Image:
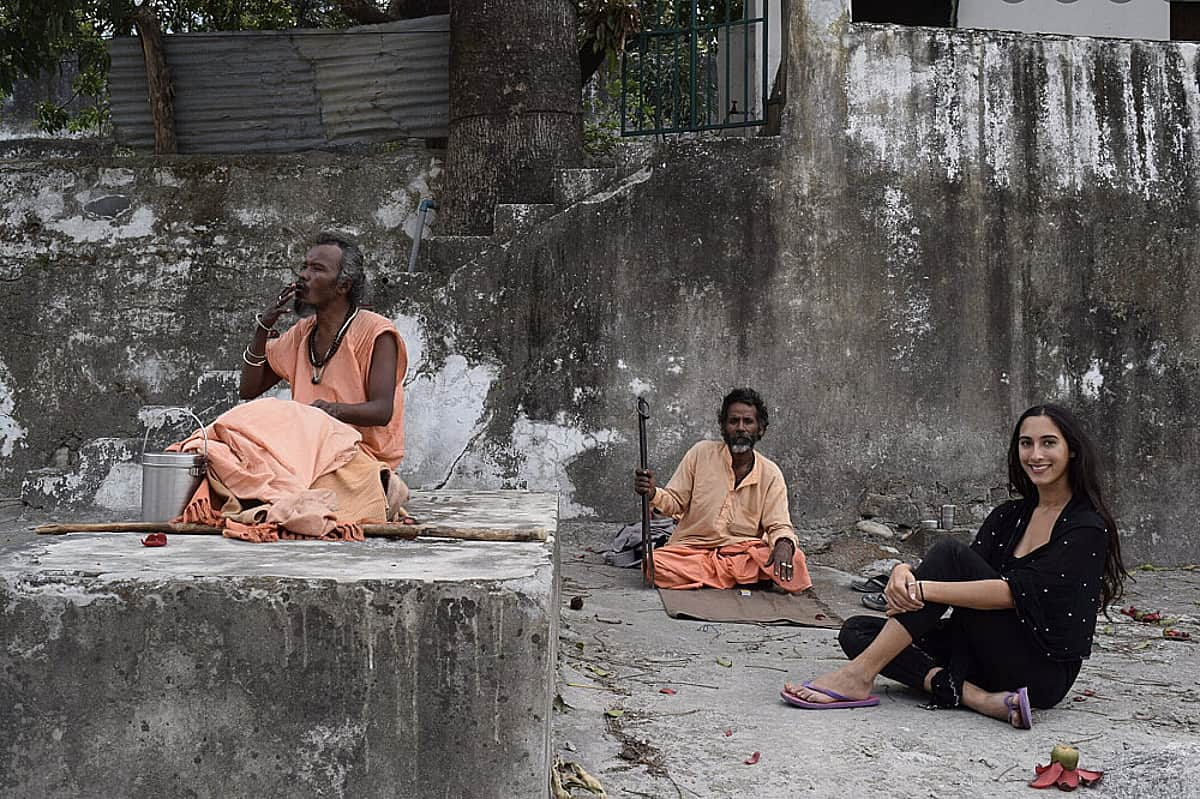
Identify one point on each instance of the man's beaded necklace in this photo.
(318, 364)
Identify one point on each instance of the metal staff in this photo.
(643, 412)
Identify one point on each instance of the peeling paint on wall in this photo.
(540, 452)
(1092, 381)
(443, 417)
(11, 431)
(121, 488)
(83, 230)
(907, 294)
(1072, 110)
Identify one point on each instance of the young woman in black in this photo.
(1025, 594)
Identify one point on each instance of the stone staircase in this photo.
(443, 254)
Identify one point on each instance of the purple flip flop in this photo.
(839, 701)
(1018, 702)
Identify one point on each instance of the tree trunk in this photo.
(158, 79)
(515, 112)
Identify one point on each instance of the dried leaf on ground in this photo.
(568, 774)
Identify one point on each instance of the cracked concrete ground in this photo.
(1141, 726)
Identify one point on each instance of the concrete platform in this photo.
(216, 668)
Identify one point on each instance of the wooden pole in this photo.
(158, 80)
(402, 531)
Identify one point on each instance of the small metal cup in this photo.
(947, 519)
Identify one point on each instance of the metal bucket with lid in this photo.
(169, 479)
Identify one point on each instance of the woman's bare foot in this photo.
(1003, 705)
(848, 681)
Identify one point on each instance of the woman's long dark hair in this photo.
(1084, 473)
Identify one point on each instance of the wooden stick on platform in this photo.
(402, 531)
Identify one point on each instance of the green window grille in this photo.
(696, 65)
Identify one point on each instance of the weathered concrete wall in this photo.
(301, 669)
(127, 284)
(954, 225)
(1022, 210)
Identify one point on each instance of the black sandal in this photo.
(875, 602)
(871, 585)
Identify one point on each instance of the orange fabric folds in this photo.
(269, 448)
(744, 563)
(280, 469)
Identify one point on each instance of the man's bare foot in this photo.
(848, 681)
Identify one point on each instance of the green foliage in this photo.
(600, 136)
(38, 36)
(607, 24)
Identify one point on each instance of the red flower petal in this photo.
(667, 691)
(1089, 777)
(155, 540)
(1088, 692)
(1069, 780)
(728, 733)
(750, 761)
(1047, 775)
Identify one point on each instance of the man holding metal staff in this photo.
(734, 526)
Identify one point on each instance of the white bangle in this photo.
(253, 359)
(258, 320)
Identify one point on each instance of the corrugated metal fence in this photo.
(281, 91)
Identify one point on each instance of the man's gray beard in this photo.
(302, 308)
(740, 447)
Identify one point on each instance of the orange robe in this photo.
(347, 376)
(304, 466)
(726, 532)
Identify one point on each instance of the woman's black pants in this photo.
(988, 648)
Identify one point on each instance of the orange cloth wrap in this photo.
(679, 566)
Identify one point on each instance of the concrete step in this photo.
(572, 185)
(513, 218)
(105, 466)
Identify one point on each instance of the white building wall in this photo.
(1124, 19)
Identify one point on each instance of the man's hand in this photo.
(331, 408)
(781, 555)
(901, 591)
(270, 315)
(643, 483)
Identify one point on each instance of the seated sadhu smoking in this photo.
(342, 431)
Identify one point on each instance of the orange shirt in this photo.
(715, 513)
(346, 377)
